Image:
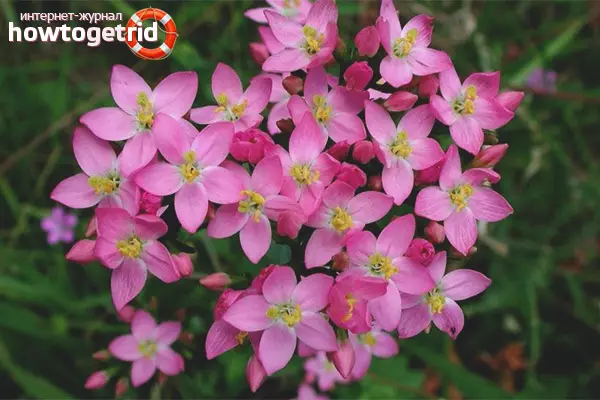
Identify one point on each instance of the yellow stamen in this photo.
(471, 92)
(435, 301)
(341, 220)
(221, 102)
(238, 109)
(145, 115)
(189, 171)
(400, 146)
(382, 266)
(460, 196)
(241, 337)
(321, 110)
(403, 46)
(313, 41)
(288, 313)
(147, 348)
(351, 300)
(466, 106)
(369, 339)
(131, 247)
(104, 185)
(303, 175)
(252, 204)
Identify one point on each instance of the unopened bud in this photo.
(217, 281)
(101, 355)
(96, 380)
(343, 358)
(211, 212)
(259, 52)
(82, 252)
(286, 125)
(186, 338)
(126, 314)
(367, 41)
(358, 76)
(183, 263)
(428, 85)
(341, 261)
(400, 101)
(352, 175)
(255, 373)
(293, 84)
(340, 150)
(489, 156)
(121, 386)
(435, 233)
(363, 151)
(375, 183)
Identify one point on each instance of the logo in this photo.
(135, 25)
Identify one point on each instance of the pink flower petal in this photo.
(451, 320)
(257, 94)
(461, 230)
(255, 238)
(286, 60)
(476, 176)
(106, 252)
(425, 61)
(113, 224)
(442, 110)
(386, 310)
(175, 94)
(395, 238)
(380, 124)
(312, 292)
(279, 285)
(433, 203)
(385, 346)
(273, 45)
(360, 247)
(141, 371)
(451, 172)
(222, 186)
(276, 347)
(248, 314)
(125, 85)
(137, 153)
(284, 29)
(169, 362)
(362, 361)
(413, 321)
(142, 325)
(315, 84)
(338, 194)
(424, 26)
(75, 192)
(449, 84)
(437, 268)
(160, 179)
(220, 338)
(510, 100)
(226, 81)
(384, 29)
(94, 156)
(316, 332)
(126, 282)
(110, 123)
(167, 333)
(212, 143)
(306, 141)
(268, 176)
(149, 227)
(321, 247)
(227, 222)
(395, 71)
(159, 262)
(321, 14)
(412, 277)
(310, 197)
(486, 83)
(348, 127)
(417, 123)
(327, 166)
(205, 115)
(347, 101)
(398, 181)
(298, 108)
(490, 114)
(125, 348)
(278, 112)
(170, 139)
(467, 134)
(257, 14)
(425, 153)
(462, 284)
(489, 206)
(370, 206)
(191, 205)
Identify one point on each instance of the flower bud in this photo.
(251, 145)
(375, 183)
(489, 156)
(217, 281)
(121, 387)
(429, 175)
(421, 251)
(340, 150)
(259, 52)
(428, 85)
(352, 175)
(101, 355)
(293, 84)
(257, 283)
(367, 41)
(358, 76)
(225, 300)
(211, 212)
(255, 373)
(126, 314)
(150, 203)
(186, 338)
(290, 222)
(183, 263)
(363, 151)
(435, 232)
(490, 139)
(91, 227)
(510, 100)
(343, 358)
(96, 380)
(82, 252)
(285, 125)
(400, 101)
(340, 261)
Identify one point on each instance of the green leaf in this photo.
(279, 254)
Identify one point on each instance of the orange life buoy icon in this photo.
(165, 48)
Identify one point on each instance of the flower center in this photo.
(241, 337)
(104, 184)
(252, 204)
(147, 348)
(466, 105)
(350, 300)
(289, 8)
(231, 113)
(341, 220)
(290, 314)
(460, 196)
(381, 266)
(189, 170)
(368, 339)
(312, 40)
(403, 46)
(131, 247)
(400, 146)
(303, 175)
(321, 110)
(435, 301)
(145, 115)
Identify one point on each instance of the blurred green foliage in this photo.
(534, 334)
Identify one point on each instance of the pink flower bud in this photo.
(375, 183)
(96, 380)
(367, 41)
(82, 252)
(340, 150)
(121, 387)
(259, 52)
(400, 101)
(293, 84)
(162, 378)
(285, 125)
(126, 314)
(257, 283)
(510, 100)
(358, 76)
(352, 175)
(363, 151)
(290, 222)
(183, 263)
(489, 156)
(150, 203)
(343, 358)
(101, 355)
(251, 145)
(255, 373)
(340, 261)
(429, 175)
(91, 227)
(421, 251)
(435, 232)
(428, 85)
(217, 281)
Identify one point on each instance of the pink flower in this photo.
(129, 246)
(334, 110)
(421, 251)
(148, 348)
(285, 311)
(383, 258)
(251, 145)
(280, 98)
(367, 41)
(400, 101)
(183, 264)
(101, 180)
(352, 175)
(306, 392)
(138, 105)
(375, 343)
(150, 203)
(126, 313)
(59, 226)
(363, 151)
(191, 171)
(295, 10)
(404, 148)
(240, 108)
(470, 107)
(489, 156)
(324, 370)
(339, 150)
(407, 48)
(358, 76)
(82, 252)
(460, 200)
(307, 45)
(96, 380)
(306, 170)
(440, 304)
(339, 215)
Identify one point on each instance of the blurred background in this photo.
(535, 332)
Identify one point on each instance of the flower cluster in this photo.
(342, 153)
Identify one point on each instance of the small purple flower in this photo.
(59, 226)
(542, 79)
